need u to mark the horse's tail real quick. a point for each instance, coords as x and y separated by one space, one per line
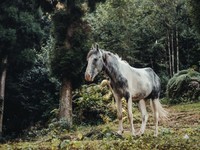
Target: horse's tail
163 114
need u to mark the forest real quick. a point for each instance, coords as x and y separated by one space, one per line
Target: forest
45 101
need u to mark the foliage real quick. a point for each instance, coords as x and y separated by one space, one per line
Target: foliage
21 36
20 30
32 95
195 10
181 132
66 61
93 104
184 86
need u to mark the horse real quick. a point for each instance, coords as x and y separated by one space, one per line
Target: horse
133 84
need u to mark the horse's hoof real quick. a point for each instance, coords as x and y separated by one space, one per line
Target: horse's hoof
155 135
139 133
134 135
120 132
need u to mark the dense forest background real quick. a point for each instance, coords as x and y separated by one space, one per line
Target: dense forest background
44 43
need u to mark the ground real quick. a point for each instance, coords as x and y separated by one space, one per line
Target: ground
181 131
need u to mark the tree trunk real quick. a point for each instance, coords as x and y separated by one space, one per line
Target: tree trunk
169 53
172 48
2 91
177 51
65 105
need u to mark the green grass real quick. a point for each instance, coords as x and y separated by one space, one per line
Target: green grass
182 131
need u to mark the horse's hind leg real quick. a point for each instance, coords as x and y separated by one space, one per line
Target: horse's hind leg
142 107
156 115
130 116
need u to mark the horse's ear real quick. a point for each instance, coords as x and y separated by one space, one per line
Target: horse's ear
92 46
97 47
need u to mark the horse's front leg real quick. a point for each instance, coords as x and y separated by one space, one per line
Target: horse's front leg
119 113
130 116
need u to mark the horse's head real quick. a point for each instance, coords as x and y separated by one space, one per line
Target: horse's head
95 63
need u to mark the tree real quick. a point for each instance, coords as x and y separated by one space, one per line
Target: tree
171 13
20 37
195 10
71 45
30 95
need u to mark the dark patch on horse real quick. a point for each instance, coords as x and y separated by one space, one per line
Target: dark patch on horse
118 83
107 71
127 96
104 57
139 96
153 95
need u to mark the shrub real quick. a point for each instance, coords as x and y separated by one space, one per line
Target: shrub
184 87
94 104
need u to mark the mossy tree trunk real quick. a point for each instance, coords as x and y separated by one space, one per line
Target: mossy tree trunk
65 105
2 91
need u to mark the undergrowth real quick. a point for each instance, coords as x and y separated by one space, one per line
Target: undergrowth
182 131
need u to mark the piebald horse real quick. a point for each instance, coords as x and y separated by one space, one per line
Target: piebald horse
133 84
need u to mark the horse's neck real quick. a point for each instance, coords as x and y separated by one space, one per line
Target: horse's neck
112 70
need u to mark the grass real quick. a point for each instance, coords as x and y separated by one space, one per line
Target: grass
182 131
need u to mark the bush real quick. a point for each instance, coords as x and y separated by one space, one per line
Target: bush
94 104
184 87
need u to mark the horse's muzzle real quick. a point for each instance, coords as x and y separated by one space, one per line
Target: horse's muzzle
88 77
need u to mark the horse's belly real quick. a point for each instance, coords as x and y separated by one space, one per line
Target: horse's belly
138 96
140 93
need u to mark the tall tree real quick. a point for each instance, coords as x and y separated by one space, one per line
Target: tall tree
2 91
195 11
20 37
71 33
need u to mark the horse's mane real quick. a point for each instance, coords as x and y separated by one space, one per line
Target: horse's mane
116 56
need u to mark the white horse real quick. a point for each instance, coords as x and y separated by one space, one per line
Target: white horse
131 83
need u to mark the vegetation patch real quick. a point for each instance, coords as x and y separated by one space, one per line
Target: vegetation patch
182 131
184 87
94 104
